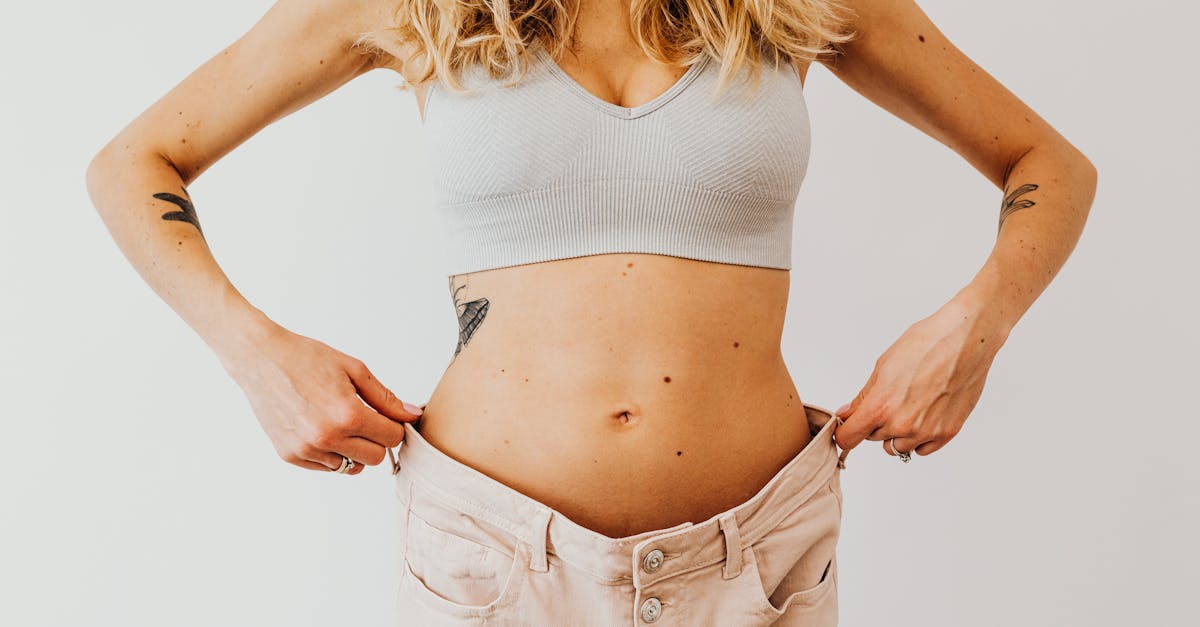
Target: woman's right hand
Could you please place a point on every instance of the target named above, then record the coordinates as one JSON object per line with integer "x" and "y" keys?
{"x": 309, "y": 398}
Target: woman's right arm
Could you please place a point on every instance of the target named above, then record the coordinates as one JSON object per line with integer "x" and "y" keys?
{"x": 307, "y": 396}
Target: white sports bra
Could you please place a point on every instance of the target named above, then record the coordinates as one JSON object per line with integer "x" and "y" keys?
{"x": 545, "y": 170}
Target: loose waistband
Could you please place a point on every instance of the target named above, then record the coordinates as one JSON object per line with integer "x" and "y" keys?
{"x": 685, "y": 546}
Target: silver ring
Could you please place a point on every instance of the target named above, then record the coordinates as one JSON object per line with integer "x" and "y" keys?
{"x": 905, "y": 456}
{"x": 347, "y": 465}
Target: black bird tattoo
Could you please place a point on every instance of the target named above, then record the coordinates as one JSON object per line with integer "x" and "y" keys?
{"x": 187, "y": 212}
{"x": 470, "y": 315}
{"x": 1011, "y": 204}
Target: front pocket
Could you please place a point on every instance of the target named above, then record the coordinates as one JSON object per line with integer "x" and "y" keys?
{"x": 796, "y": 562}
{"x": 812, "y": 606}
{"x": 812, "y": 601}
{"x": 456, "y": 565}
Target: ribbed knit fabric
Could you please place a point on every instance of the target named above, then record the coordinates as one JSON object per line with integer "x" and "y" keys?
{"x": 545, "y": 170}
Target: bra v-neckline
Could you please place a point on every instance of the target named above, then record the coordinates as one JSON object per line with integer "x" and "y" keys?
{"x": 617, "y": 110}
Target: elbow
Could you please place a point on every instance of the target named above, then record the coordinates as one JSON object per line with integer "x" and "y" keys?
{"x": 1084, "y": 167}
{"x": 1086, "y": 171}
{"x": 96, "y": 173}
{"x": 1082, "y": 173}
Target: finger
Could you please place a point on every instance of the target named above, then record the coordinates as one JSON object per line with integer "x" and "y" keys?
{"x": 887, "y": 430}
{"x": 361, "y": 450}
{"x": 378, "y": 428}
{"x": 378, "y": 396}
{"x": 311, "y": 465}
{"x": 928, "y": 447}
{"x": 902, "y": 445}
{"x": 856, "y": 427}
{"x": 329, "y": 461}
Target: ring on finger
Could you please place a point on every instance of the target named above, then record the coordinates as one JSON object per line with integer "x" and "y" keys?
{"x": 905, "y": 456}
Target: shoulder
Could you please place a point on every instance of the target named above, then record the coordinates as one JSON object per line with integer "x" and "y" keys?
{"x": 351, "y": 27}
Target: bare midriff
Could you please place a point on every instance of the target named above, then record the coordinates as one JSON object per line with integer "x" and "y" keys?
{"x": 630, "y": 392}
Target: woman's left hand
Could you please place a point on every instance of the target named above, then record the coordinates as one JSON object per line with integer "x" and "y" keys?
{"x": 926, "y": 384}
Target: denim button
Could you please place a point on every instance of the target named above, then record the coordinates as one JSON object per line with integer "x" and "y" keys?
{"x": 653, "y": 561}
{"x": 651, "y": 609}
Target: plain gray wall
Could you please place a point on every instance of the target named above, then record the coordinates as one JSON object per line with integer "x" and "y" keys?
{"x": 139, "y": 489}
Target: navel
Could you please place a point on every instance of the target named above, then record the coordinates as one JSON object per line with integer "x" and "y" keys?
{"x": 626, "y": 415}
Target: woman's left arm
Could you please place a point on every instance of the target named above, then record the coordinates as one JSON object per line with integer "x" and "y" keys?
{"x": 925, "y": 385}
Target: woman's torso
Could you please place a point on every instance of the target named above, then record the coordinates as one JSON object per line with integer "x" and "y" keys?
{"x": 629, "y": 391}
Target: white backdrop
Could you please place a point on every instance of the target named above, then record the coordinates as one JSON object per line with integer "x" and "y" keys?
{"x": 140, "y": 489}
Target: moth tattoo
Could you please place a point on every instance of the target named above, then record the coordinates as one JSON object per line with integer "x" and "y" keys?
{"x": 1014, "y": 202}
{"x": 470, "y": 314}
{"x": 187, "y": 211}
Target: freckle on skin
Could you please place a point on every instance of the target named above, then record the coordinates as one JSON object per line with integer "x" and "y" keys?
{"x": 922, "y": 38}
{"x": 678, "y": 453}
{"x": 735, "y": 344}
{"x": 667, "y": 379}
{"x": 526, "y": 379}
{"x": 629, "y": 265}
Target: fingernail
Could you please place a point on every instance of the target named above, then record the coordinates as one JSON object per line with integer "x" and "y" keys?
{"x": 412, "y": 409}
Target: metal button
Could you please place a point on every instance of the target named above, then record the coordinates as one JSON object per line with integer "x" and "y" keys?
{"x": 651, "y": 609}
{"x": 653, "y": 561}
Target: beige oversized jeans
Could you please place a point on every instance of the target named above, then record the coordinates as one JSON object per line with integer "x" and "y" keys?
{"x": 474, "y": 551}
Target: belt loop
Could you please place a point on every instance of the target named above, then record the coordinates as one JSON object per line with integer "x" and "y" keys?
{"x": 537, "y": 544}
{"x": 733, "y": 546}
{"x": 393, "y": 460}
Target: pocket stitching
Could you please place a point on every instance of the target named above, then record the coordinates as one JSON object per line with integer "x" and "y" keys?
{"x": 509, "y": 587}
{"x": 508, "y": 593}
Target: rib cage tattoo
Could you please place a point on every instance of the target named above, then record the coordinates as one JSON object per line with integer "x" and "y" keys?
{"x": 470, "y": 314}
{"x": 1011, "y": 202}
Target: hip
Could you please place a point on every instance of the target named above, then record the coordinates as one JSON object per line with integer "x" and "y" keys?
{"x": 475, "y": 551}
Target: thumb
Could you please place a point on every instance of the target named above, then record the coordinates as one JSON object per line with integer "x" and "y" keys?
{"x": 379, "y": 397}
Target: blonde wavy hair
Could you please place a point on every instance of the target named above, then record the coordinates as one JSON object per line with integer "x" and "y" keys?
{"x": 447, "y": 35}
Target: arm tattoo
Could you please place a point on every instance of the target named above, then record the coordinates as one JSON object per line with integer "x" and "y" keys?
{"x": 1011, "y": 203}
{"x": 187, "y": 211}
{"x": 470, "y": 314}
